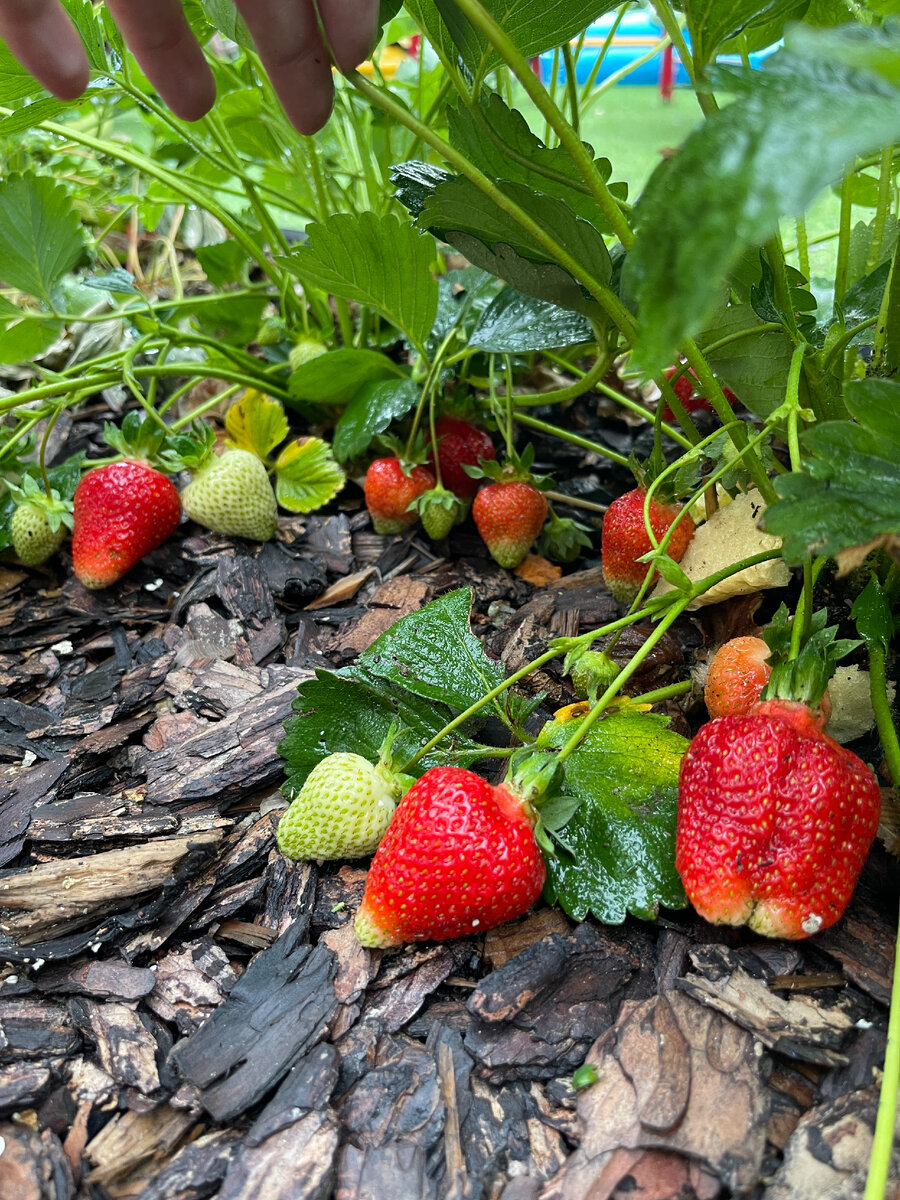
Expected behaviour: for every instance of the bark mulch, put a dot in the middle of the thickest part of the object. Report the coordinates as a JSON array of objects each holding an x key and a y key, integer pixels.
[{"x": 184, "y": 1014}]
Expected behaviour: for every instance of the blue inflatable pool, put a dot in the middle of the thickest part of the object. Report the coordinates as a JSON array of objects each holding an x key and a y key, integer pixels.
[{"x": 638, "y": 32}]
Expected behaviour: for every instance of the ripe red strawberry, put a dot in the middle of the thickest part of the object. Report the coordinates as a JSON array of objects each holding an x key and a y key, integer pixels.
[
  {"x": 122, "y": 512},
  {"x": 458, "y": 857},
  {"x": 692, "y": 401},
  {"x": 624, "y": 540},
  {"x": 389, "y": 492},
  {"x": 509, "y": 517},
  {"x": 736, "y": 676},
  {"x": 775, "y": 820},
  {"x": 460, "y": 444}
]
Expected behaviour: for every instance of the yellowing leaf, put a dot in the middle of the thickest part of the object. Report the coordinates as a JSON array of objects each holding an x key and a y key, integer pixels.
[
  {"x": 256, "y": 423},
  {"x": 306, "y": 475}
]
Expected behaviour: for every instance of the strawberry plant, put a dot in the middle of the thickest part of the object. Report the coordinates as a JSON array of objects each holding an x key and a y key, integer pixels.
[{"x": 320, "y": 281}]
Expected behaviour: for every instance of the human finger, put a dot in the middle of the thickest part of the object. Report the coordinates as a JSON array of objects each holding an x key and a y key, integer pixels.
[
  {"x": 352, "y": 29},
  {"x": 290, "y": 47},
  {"x": 160, "y": 38},
  {"x": 40, "y": 36}
]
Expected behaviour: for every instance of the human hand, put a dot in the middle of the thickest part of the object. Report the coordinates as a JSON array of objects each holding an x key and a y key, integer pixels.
[{"x": 285, "y": 32}]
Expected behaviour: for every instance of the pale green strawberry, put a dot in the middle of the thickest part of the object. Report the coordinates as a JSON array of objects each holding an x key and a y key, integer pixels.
[
  {"x": 39, "y": 522},
  {"x": 438, "y": 511},
  {"x": 305, "y": 351},
  {"x": 232, "y": 494},
  {"x": 341, "y": 811},
  {"x": 33, "y": 539}
]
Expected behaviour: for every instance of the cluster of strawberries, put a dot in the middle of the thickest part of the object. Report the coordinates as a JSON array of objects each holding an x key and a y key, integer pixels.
[
  {"x": 775, "y": 818},
  {"x": 124, "y": 509},
  {"x": 509, "y": 511}
]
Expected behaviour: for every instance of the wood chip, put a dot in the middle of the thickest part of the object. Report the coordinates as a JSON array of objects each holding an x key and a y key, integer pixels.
[
  {"x": 538, "y": 571},
  {"x": 342, "y": 590}
]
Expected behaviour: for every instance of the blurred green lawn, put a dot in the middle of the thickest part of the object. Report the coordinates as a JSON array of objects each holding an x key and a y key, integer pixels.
[{"x": 632, "y": 125}]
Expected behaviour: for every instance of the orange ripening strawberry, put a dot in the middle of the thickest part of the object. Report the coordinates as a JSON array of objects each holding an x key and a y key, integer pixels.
[
  {"x": 775, "y": 820},
  {"x": 625, "y": 540},
  {"x": 461, "y": 444},
  {"x": 509, "y": 516},
  {"x": 459, "y": 857},
  {"x": 389, "y": 492},
  {"x": 122, "y": 511},
  {"x": 736, "y": 676}
]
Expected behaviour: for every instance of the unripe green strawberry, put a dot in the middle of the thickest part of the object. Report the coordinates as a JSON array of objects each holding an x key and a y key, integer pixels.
[
  {"x": 232, "y": 494},
  {"x": 438, "y": 511},
  {"x": 341, "y": 811},
  {"x": 305, "y": 351},
  {"x": 33, "y": 539}
]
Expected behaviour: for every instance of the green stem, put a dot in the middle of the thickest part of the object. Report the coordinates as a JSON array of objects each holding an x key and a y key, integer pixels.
[
  {"x": 775, "y": 255},
  {"x": 738, "y": 430},
  {"x": 882, "y": 208},
  {"x": 843, "y": 252},
  {"x": 663, "y": 693},
  {"x": 537, "y": 93},
  {"x": 802, "y": 246},
  {"x": 624, "y": 675},
  {"x": 605, "y": 297},
  {"x": 883, "y": 1141},
  {"x": 571, "y": 85},
  {"x": 587, "y": 380},
  {"x": 574, "y": 438},
  {"x": 564, "y": 645}
]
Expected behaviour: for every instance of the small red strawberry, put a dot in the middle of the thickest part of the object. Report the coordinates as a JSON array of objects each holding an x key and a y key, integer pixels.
[
  {"x": 459, "y": 857},
  {"x": 122, "y": 512},
  {"x": 460, "y": 444},
  {"x": 390, "y": 490},
  {"x": 775, "y": 820},
  {"x": 509, "y": 517},
  {"x": 625, "y": 540},
  {"x": 692, "y": 401},
  {"x": 736, "y": 676}
]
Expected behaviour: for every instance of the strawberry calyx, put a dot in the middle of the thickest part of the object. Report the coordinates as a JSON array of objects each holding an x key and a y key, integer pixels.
[
  {"x": 803, "y": 675},
  {"x": 141, "y": 438},
  {"x": 409, "y": 454},
  {"x": 58, "y": 512},
  {"x": 514, "y": 468},
  {"x": 564, "y": 538}
]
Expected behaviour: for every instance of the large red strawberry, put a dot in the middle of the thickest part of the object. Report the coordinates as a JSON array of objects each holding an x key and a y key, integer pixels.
[
  {"x": 625, "y": 540},
  {"x": 390, "y": 490},
  {"x": 775, "y": 820},
  {"x": 460, "y": 444},
  {"x": 509, "y": 517},
  {"x": 122, "y": 511},
  {"x": 458, "y": 857}
]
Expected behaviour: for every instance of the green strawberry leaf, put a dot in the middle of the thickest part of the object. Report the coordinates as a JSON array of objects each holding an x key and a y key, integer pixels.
[
  {"x": 872, "y": 613},
  {"x": 748, "y": 165},
  {"x": 335, "y": 377},
  {"x": 256, "y": 423},
  {"x": 381, "y": 262},
  {"x": 498, "y": 140},
  {"x": 372, "y": 409},
  {"x": 616, "y": 855},
  {"x": 849, "y": 493},
  {"x": 336, "y": 712},
  {"x": 457, "y": 211},
  {"x": 40, "y": 235},
  {"x": 434, "y": 654},
  {"x": 518, "y": 324},
  {"x": 754, "y": 366},
  {"x": 532, "y": 25},
  {"x": 710, "y": 22},
  {"x": 22, "y": 338},
  {"x": 224, "y": 262},
  {"x": 306, "y": 475}
]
